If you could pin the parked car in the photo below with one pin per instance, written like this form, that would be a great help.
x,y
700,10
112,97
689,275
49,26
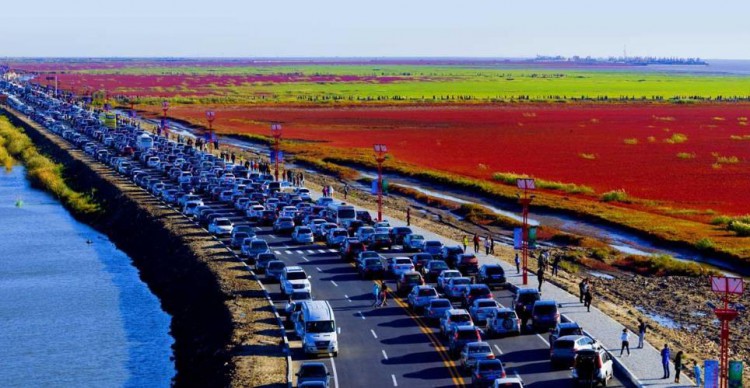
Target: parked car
x,y
461,336
450,253
379,241
456,287
503,322
433,269
420,259
274,269
564,349
474,292
371,268
302,235
420,296
454,318
365,217
400,265
564,328
486,372
436,309
467,263
445,276
480,310
473,352
398,233
408,280
527,297
492,275
545,315
351,248
592,367
310,372
413,242
434,248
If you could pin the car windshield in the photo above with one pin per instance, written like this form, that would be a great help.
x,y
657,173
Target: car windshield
x,y
402,261
490,366
296,275
427,292
241,236
432,244
564,344
276,265
321,327
467,334
340,233
570,331
451,274
438,265
545,309
372,262
258,245
528,298
300,296
506,315
479,291
415,237
480,349
461,318
313,371
462,281
223,222
412,277
440,303
304,231
495,271
486,303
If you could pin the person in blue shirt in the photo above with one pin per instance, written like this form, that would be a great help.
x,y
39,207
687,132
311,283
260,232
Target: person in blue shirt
x,y
698,373
665,360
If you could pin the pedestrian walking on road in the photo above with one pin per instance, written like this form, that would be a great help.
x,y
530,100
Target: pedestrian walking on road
x,y
476,243
641,332
677,366
487,245
625,339
582,289
665,360
466,243
408,218
698,373
375,294
540,278
587,297
518,262
521,312
383,295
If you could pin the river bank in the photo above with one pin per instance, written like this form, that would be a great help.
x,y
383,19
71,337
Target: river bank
x,y
225,331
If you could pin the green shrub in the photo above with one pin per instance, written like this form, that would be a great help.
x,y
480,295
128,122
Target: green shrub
x,y
615,196
741,228
704,243
510,178
721,220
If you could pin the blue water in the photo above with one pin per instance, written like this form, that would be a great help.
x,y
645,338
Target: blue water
x,y
73,311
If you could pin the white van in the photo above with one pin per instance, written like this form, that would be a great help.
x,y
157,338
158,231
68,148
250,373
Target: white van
x,y
316,327
144,142
341,214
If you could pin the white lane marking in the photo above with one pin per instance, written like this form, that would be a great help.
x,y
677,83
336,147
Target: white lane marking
x,y
347,298
335,375
305,258
498,349
319,270
271,236
385,355
339,329
395,384
542,338
321,251
373,333
332,251
277,252
288,252
361,315
310,252
334,283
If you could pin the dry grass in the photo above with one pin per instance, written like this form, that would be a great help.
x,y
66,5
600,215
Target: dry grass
x,y
676,138
631,141
510,178
686,155
740,137
587,156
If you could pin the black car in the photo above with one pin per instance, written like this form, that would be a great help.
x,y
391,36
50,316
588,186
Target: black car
x,y
449,254
351,248
371,268
398,233
492,275
365,217
354,226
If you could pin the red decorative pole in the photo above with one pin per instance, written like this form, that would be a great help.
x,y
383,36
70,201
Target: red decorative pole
x,y
211,116
525,199
726,288
380,150
165,108
276,132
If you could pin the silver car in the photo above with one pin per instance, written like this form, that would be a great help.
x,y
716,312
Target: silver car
x,y
503,321
274,268
420,296
480,308
436,309
473,352
456,287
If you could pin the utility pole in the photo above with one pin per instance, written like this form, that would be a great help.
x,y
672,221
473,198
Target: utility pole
x,y
380,150
211,116
525,198
164,108
276,132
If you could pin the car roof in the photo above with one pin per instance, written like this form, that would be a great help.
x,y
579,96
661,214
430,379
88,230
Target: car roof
x,y
294,268
546,302
568,325
527,291
457,311
570,337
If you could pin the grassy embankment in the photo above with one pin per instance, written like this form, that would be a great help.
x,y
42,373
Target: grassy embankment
x,y
427,84
43,173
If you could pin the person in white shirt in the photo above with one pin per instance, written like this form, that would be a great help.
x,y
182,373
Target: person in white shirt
x,y
625,338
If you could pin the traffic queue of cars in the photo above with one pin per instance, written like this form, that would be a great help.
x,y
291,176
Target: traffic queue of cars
x,y
442,283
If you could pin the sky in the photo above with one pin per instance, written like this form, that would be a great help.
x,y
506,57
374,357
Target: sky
x,y
381,28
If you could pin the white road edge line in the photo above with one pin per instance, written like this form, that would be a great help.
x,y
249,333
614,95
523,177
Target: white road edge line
x,y
335,375
362,316
498,349
395,384
542,338
384,355
373,332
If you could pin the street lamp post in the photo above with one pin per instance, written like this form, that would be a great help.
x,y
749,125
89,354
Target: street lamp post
x,y
211,116
276,132
164,108
525,199
380,150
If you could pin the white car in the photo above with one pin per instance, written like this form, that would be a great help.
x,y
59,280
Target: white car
x,y
254,212
302,235
445,276
454,318
402,265
220,226
508,382
364,232
294,279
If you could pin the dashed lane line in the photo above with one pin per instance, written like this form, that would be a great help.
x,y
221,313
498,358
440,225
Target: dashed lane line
x,y
498,349
334,283
385,356
395,383
373,333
